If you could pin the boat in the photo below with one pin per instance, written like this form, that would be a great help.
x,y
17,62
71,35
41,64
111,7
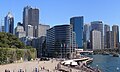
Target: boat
x,y
105,53
115,55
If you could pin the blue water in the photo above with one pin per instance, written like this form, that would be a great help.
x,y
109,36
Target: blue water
x,y
106,63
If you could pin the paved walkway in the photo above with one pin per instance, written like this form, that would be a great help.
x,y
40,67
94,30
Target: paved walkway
x,y
30,66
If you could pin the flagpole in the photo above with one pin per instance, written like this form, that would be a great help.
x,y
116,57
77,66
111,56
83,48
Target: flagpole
x,y
61,50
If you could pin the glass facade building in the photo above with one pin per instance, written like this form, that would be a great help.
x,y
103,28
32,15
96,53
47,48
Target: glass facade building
x,y
77,23
9,23
59,41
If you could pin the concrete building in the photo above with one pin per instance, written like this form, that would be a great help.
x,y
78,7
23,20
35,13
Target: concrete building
x,y
9,23
115,30
77,23
98,25
30,31
96,39
106,33
59,41
19,28
19,32
42,30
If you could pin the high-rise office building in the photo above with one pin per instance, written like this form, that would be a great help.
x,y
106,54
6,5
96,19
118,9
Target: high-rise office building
x,y
59,39
106,31
109,38
34,19
96,39
26,17
115,30
9,23
42,30
87,28
98,25
86,36
77,23
31,17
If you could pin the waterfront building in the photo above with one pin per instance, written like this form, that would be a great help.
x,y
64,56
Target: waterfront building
x,y
77,23
96,39
9,23
59,41
115,30
109,38
42,30
106,30
31,17
98,25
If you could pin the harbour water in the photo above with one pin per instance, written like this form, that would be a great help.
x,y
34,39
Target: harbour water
x,y
106,63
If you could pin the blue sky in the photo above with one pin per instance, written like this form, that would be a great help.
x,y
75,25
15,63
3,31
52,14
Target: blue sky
x,y
55,12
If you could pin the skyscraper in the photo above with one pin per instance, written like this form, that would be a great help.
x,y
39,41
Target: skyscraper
x,y
86,35
98,25
26,17
9,23
115,30
77,23
31,17
96,39
106,32
109,38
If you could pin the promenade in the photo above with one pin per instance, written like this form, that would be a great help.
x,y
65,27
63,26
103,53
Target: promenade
x,y
42,66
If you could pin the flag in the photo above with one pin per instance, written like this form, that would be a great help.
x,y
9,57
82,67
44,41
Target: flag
x,y
67,46
64,45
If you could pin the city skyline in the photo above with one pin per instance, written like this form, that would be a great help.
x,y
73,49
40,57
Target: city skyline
x,y
59,12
